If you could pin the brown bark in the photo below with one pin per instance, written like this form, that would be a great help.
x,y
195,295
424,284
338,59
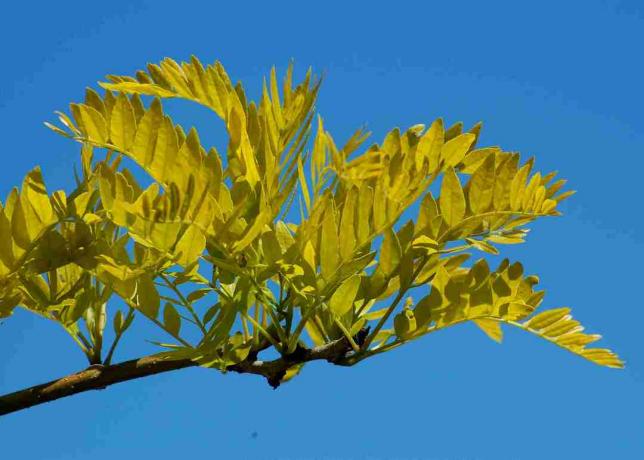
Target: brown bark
x,y
97,377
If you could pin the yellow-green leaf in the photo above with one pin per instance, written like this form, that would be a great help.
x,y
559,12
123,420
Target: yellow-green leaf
x,y
146,133
390,253
148,299
404,323
92,122
329,245
122,123
455,149
452,198
132,87
481,189
342,299
190,246
547,318
430,145
347,225
171,319
491,328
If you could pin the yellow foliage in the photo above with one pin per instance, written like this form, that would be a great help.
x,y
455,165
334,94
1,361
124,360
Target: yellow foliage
x,y
213,244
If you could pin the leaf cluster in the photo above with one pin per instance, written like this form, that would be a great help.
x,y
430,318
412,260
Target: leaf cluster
x,y
286,240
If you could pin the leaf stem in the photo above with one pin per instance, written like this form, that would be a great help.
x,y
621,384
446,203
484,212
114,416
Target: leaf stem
x,y
393,305
184,302
110,353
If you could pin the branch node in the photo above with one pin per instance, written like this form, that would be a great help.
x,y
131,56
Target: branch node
x,y
275,379
298,355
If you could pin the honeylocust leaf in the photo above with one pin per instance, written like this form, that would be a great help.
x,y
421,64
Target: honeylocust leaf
x,y
342,299
452,198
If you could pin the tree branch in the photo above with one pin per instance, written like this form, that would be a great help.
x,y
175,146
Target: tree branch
x,y
97,377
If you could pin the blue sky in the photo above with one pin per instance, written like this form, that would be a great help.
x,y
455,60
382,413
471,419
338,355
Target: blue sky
x,y
558,80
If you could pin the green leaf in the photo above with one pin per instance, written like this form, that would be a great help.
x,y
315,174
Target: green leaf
x,y
138,88
482,246
347,225
342,299
545,319
211,312
454,150
284,237
426,310
452,198
558,327
427,213
148,299
491,328
146,133
198,294
454,130
122,122
406,270
475,158
517,187
303,185
404,323
91,122
117,322
190,246
329,245
19,227
481,188
430,145
390,253
171,319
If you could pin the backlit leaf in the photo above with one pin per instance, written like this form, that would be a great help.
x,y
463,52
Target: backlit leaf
x,y
342,299
452,198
